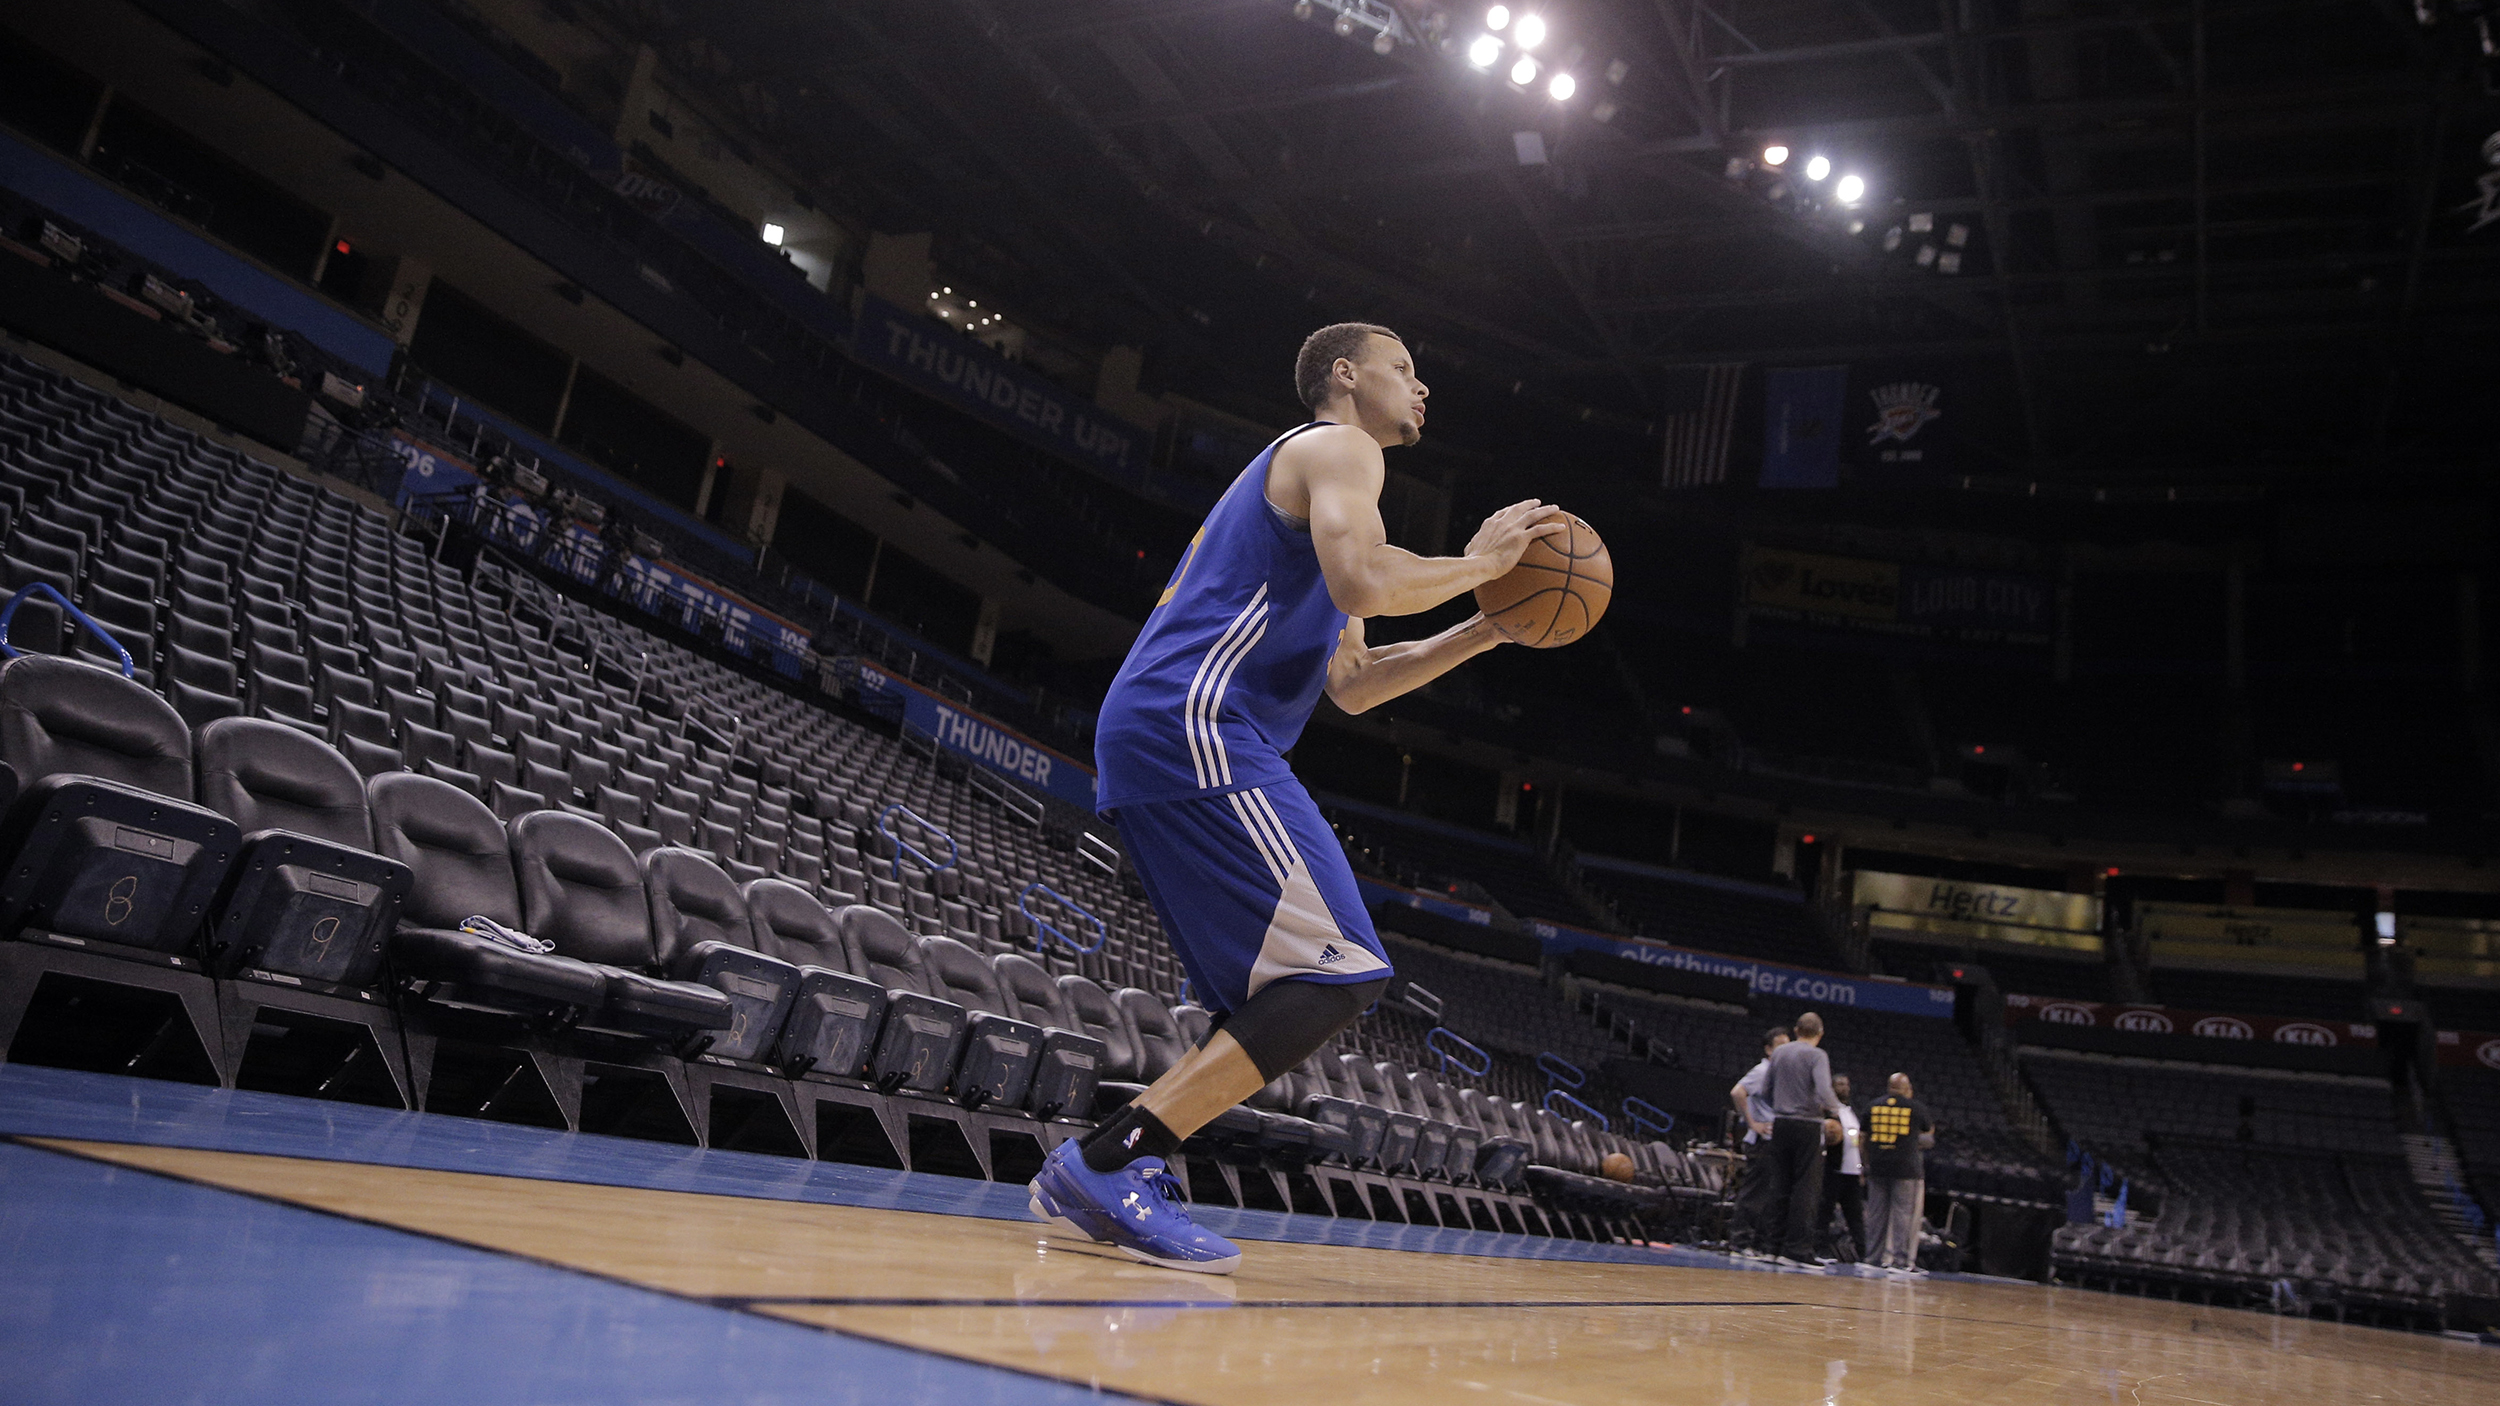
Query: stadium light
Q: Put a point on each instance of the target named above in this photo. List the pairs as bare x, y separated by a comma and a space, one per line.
1523, 72
1484, 51
1851, 189
1497, 17
1530, 33
1817, 167
1344, 25
1563, 86
1775, 155
772, 234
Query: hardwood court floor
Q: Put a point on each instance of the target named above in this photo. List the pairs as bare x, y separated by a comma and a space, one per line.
1334, 1323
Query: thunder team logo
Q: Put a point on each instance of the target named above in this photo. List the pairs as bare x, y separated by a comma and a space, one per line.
1902, 409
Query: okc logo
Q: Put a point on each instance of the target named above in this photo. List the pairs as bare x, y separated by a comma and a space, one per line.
2068, 1013
117, 900
2144, 1022
2301, 1032
2225, 1027
1902, 409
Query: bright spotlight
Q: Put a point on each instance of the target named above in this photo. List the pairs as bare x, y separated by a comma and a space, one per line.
1851, 190
1817, 167
1775, 155
1563, 86
1497, 17
1523, 72
772, 235
1530, 33
1484, 51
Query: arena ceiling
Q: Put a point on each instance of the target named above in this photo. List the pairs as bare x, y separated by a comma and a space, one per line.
2196, 237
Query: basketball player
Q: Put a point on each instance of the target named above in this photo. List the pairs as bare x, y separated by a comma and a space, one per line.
1264, 612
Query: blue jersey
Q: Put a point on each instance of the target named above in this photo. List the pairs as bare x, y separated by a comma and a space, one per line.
1230, 663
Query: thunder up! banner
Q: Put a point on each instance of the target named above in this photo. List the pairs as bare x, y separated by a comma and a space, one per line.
1766, 978
2456, 1047
994, 745
943, 362
1962, 604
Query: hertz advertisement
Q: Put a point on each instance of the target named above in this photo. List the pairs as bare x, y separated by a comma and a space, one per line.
1961, 604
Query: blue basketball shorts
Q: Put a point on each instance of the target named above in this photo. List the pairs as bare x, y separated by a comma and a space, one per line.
1252, 887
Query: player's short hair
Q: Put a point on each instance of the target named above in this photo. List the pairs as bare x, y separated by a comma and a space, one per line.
1774, 1035
1809, 1025
1319, 356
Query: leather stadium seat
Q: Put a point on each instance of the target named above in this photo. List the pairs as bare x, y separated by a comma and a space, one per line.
1069, 1064
1406, 1130
308, 897
923, 1033
996, 1066
104, 843
1098, 1015
835, 1015
460, 863
582, 891
1500, 1152
1325, 1098
701, 932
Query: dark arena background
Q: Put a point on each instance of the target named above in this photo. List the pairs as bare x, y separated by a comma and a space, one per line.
676, 480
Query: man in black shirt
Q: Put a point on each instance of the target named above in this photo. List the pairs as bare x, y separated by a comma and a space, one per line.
1898, 1132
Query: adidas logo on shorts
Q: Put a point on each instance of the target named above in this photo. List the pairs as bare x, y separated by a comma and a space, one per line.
1328, 953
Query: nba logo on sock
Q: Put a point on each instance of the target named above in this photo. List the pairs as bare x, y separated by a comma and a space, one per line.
1328, 953
1133, 1135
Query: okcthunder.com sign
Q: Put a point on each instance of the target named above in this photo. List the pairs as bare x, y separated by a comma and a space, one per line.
976, 738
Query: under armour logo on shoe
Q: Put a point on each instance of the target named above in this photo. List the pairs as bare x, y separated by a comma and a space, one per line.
1328, 953
1133, 1135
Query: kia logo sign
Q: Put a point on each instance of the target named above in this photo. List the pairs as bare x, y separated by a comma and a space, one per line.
2067, 1013
2144, 1022
2301, 1032
2489, 1053
2225, 1027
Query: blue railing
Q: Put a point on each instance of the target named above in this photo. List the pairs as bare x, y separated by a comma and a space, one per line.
1045, 928
1587, 1114
1457, 1052
9, 612
1562, 1073
1649, 1117
903, 847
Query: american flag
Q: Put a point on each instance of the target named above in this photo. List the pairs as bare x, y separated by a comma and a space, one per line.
1701, 418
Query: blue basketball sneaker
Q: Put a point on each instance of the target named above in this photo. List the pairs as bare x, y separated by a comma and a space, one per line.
1136, 1211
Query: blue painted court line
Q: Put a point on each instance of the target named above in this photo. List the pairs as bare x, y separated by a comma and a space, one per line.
59, 1103
121, 1285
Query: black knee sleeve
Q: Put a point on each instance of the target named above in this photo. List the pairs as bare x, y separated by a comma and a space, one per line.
1279, 1027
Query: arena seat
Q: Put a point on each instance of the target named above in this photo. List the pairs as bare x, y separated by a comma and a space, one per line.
1099, 1016
104, 844
1324, 1101
701, 932
1405, 1130
460, 863
834, 1014
1068, 1065
309, 898
582, 891
923, 1032
997, 1063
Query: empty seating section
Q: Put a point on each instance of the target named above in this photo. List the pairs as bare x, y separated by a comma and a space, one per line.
2472, 1096
2256, 1177
1439, 858
1712, 913
2073, 978
469, 808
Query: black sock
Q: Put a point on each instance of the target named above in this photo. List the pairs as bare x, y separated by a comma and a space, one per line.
1126, 1136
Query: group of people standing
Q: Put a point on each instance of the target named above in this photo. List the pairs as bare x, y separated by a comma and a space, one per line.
1809, 1153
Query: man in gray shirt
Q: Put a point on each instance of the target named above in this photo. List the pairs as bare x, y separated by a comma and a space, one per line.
1751, 1228
1797, 1083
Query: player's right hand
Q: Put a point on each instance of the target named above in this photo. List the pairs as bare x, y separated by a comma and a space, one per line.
1507, 533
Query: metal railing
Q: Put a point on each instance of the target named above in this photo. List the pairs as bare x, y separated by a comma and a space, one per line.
1458, 1052
1560, 1072
1643, 1114
902, 846
1588, 1114
1045, 928
8, 613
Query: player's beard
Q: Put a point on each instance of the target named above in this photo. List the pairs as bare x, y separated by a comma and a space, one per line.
1410, 433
